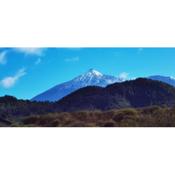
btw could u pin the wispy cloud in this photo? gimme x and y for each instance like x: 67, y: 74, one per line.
x: 38, y: 61
x: 123, y: 76
x: 10, y: 81
x: 3, y: 57
x: 30, y: 51
x: 73, y: 59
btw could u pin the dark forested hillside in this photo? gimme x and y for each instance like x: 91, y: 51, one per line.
x: 11, y: 107
x: 136, y: 93
x: 144, y: 92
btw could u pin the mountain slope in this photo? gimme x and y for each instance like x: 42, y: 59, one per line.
x: 165, y: 79
x: 136, y: 93
x: 90, y: 78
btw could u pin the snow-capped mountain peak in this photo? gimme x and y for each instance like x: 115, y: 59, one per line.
x: 93, y: 72
x: 94, y: 78
x: 90, y: 78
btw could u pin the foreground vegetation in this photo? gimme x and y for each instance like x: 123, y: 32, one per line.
x: 23, y: 113
x: 154, y: 116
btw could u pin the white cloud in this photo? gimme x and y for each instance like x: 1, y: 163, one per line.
x: 38, y: 61
x: 10, y: 81
x: 123, y: 76
x: 172, y: 77
x: 30, y: 50
x: 73, y: 59
x: 3, y: 57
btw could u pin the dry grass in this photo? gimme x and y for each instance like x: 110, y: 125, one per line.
x: 146, y: 117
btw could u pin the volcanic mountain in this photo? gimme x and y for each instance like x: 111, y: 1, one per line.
x: 90, y: 78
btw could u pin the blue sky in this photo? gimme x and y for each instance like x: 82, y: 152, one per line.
x: 26, y: 72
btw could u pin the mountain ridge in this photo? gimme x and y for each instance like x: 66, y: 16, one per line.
x: 134, y: 93
x: 166, y: 79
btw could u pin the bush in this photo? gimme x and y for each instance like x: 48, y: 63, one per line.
x: 124, y: 114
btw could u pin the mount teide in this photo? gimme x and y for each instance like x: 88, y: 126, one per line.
x: 90, y: 78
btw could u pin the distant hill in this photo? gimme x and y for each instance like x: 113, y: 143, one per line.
x: 135, y: 93
x: 90, y: 78
x: 165, y: 79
